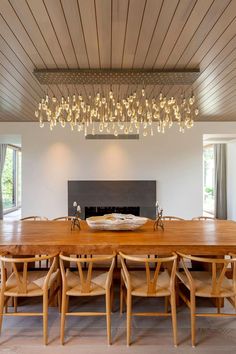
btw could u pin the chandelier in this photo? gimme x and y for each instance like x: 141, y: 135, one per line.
x: 133, y: 114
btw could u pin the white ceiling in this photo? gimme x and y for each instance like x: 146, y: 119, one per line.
x: 158, y: 34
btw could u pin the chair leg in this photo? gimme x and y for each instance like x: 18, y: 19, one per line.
x: 59, y: 299
x: 6, y: 304
x: 45, y: 317
x: 67, y: 303
x: 218, y: 304
x: 64, y: 303
x: 166, y: 303
x: 174, y: 318
x: 15, y: 303
x: 121, y: 296
x: 193, y: 318
x: 2, y: 297
x: 108, y: 315
x: 129, y: 314
x: 112, y: 297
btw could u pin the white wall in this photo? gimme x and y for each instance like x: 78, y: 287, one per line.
x: 50, y: 159
x: 231, y: 180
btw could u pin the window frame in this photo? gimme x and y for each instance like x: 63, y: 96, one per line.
x: 210, y: 212
x: 16, y: 177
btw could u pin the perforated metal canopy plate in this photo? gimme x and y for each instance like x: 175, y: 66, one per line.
x: 116, y: 77
x: 112, y: 137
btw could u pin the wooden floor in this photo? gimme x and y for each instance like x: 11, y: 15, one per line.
x: 88, y: 335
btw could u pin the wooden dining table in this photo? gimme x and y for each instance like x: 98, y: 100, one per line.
x: 216, y: 237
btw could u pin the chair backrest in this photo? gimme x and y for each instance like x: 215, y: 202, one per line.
x: 160, y: 263
x: 85, y: 274
x: 169, y: 217
x: 20, y: 269
x: 217, y: 269
x: 203, y: 218
x: 64, y: 218
x: 35, y: 218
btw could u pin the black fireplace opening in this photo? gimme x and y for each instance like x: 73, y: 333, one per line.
x: 101, y: 210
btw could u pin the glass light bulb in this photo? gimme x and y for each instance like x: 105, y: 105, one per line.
x: 101, y: 127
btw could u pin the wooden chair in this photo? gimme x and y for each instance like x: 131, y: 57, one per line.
x: 149, y: 283
x: 39, y: 264
x: 64, y: 218
x: 34, y: 218
x: 203, y: 218
x: 87, y: 282
x: 167, y: 217
x: 211, y: 283
x: 25, y: 283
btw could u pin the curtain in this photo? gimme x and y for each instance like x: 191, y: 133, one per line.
x: 220, y: 181
x: 3, y: 149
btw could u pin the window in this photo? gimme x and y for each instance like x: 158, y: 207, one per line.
x: 11, y: 179
x: 208, y: 180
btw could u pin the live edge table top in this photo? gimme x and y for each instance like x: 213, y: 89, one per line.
x: 47, y: 237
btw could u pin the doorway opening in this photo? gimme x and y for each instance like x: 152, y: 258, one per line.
x: 208, y: 180
x: 11, y: 180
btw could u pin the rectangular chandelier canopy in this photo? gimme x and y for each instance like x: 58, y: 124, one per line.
x: 115, y: 77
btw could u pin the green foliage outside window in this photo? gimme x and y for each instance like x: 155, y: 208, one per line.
x: 8, y: 180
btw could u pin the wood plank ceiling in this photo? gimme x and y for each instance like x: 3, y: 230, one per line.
x: 160, y: 34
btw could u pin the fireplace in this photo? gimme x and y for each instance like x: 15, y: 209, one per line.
x: 102, y: 197
x: 99, y: 211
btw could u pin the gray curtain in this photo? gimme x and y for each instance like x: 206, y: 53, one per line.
x: 3, y: 149
x: 220, y: 181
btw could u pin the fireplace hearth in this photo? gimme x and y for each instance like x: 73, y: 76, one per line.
x: 99, y: 211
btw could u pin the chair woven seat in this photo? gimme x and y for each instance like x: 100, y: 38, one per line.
x: 35, y: 281
x: 139, y: 285
x: 97, y: 286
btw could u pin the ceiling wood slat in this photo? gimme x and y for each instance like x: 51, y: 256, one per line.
x: 119, y: 18
x: 17, y: 98
x: 150, y: 21
x: 211, y: 82
x: 134, y: 22
x: 220, y: 103
x: 98, y: 34
x: 103, y: 14
x: 10, y: 21
x: 58, y: 21
x: 212, y: 16
x: 223, y: 24
x: 166, y: 16
x: 72, y: 13
x: 87, y: 11
x: 197, y: 15
x: 219, y: 100
x: 219, y: 61
x: 18, y: 85
x: 219, y: 89
x: 182, y: 15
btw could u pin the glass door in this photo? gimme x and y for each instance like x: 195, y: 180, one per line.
x: 208, y: 180
x: 11, y: 179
